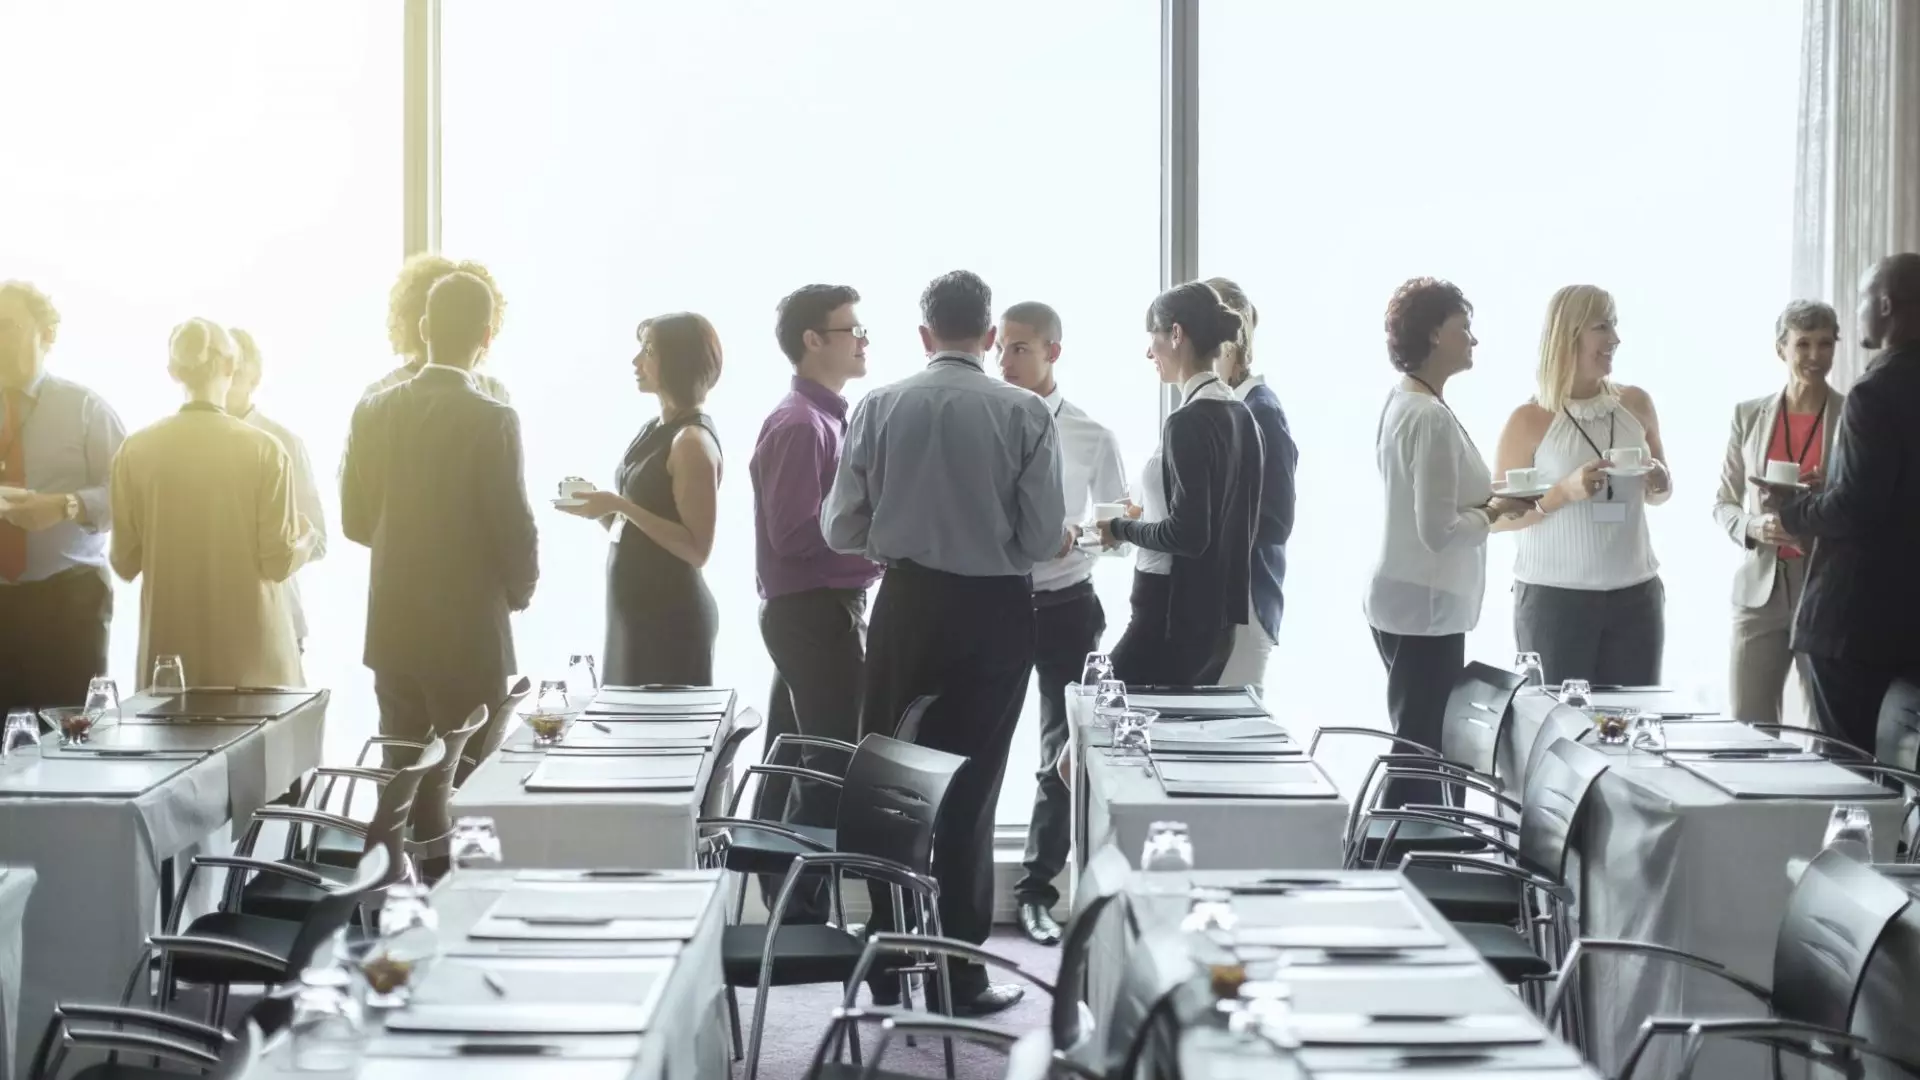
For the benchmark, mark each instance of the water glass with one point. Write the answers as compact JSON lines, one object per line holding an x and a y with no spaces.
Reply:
{"x":1208,"y":911}
{"x":328,"y":1026}
{"x":1576,"y":693}
{"x":552,"y":699}
{"x":1109,"y":700}
{"x":103,"y":701}
{"x":1168,"y":848}
{"x":23,"y":729}
{"x":583,"y":675}
{"x":1528,"y":665}
{"x":1646,"y":731}
{"x":1130,"y":730}
{"x":1850,"y":828}
{"x":476,"y":843}
{"x":169,"y":675}
{"x":1097,"y":669}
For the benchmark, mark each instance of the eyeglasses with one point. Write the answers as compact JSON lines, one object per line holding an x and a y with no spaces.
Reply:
{"x":859,"y":332}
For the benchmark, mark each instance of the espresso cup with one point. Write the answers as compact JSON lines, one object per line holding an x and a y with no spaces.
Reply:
{"x":1523,"y":479}
{"x":1783,"y":472}
{"x":1626,"y":457}
{"x":573,"y":487}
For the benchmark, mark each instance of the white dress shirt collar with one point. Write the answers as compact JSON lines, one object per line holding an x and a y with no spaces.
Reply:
{"x":1205,"y":385}
{"x":1247,"y":385}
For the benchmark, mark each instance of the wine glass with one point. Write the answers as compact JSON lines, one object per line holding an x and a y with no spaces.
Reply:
{"x":1576,"y":693}
{"x":1097,"y":669}
{"x":1109,"y":700}
{"x":23,"y":729}
{"x":1532,"y":673}
{"x":169,"y":675}
{"x":103,"y":701}
{"x":583,"y":675}
{"x":476,"y":843}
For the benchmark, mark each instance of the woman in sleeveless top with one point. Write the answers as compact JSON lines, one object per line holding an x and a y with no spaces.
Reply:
{"x":661,"y":619}
{"x":1587,"y":591}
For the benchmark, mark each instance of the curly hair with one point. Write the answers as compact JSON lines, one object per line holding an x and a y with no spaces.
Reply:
{"x":407,"y":303}
{"x":957,"y":306}
{"x":38,"y":305}
{"x":1418,"y":310}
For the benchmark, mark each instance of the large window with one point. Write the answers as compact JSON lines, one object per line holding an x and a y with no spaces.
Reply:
{"x":223,"y":158}
{"x":1513,"y":148}
{"x":611,"y":161}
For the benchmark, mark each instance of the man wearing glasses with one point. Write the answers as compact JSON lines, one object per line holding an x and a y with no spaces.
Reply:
{"x":814,"y":614}
{"x":1067,"y":618}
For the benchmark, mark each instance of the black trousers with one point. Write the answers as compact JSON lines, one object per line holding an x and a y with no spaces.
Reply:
{"x":1067,"y":626}
{"x":817,"y":640}
{"x":417,"y":708}
{"x":1150,"y":653}
{"x":53,"y":639}
{"x":969,"y":640}
{"x":1421,"y":672}
{"x":1847,"y":695}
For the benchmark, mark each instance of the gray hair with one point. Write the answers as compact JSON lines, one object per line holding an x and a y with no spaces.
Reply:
{"x":1805,"y":316}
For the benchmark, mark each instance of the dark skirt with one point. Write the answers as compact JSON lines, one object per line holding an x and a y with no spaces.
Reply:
{"x":651,"y":643}
{"x":1151,"y":653}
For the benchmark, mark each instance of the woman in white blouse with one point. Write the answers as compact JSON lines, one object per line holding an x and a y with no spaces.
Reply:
{"x":1432,"y":572}
{"x":1587,"y":595}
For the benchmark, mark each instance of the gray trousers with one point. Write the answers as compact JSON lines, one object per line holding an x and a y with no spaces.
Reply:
{"x":1609,"y":638}
{"x":1761,"y":657}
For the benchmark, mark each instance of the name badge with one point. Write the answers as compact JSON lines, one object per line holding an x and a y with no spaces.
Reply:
{"x":1609,"y":513}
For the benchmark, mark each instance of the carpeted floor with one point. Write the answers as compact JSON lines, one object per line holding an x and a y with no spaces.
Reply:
{"x":796,"y":1019}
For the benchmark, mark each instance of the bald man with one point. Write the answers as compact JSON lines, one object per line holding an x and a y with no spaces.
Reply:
{"x":1859,"y":620}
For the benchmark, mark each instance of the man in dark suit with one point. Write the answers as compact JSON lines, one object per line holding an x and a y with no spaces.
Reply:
{"x":432,"y":483}
{"x":1859,"y":621}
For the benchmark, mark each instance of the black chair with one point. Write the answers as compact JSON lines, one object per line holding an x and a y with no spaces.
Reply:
{"x":431,"y":823}
{"x":227,"y":948}
{"x":1896,"y":739}
{"x":746,"y":724}
{"x":890,"y":800}
{"x":287,"y":896}
{"x":1836,"y":918}
{"x":153,"y":1036}
{"x":1161,"y":990}
{"x":491,"y":736}
{"x":1479,"y":707}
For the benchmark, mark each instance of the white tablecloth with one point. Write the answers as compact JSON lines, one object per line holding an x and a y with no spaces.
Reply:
{"x":16,"y":885}
{"x":1665,"y":857}
{"x":98,"y":857}
{"x":687,"y":1036}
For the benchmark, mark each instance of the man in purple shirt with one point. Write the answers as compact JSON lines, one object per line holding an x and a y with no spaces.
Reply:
{"x":814,"y":616}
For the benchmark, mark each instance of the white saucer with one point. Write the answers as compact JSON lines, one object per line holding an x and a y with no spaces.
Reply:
{"x":1637,"y":470}
{"x":566,"y":503}
{"x":1761,"y":481}
{"x":1523,"y":493}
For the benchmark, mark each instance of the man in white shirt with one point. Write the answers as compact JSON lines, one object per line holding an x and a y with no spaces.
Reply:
{"x":1067,"y":616}
{"x":306,"y":494}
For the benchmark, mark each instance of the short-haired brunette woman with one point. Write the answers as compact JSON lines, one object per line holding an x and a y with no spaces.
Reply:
{"x":1587,"y":595}
{"x":1432,"y":574}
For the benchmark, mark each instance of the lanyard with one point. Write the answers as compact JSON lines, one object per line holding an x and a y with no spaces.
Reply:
{"x":1786,"y":431}
{"x":1612,"y":415}
{"x":1210,"y":380}
{"x":1464,"y":433}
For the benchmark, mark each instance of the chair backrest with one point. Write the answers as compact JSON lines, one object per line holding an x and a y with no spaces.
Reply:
{"x":1836,"y":917}
{"x":518,"y":688}
{"x":432,"y":813}
{"x":1099,"y":888}
{"x":332,"y":911}
{"x":240,"y":1054}
{"x":908,"y":729}
{"x":1156,"y":965}
{"x":892,"y":799}
{"x":1896,"y":739}
{"x":1557,"y":788}
{"x":388,"y":827}
{"x":746,"y":723}
{"x":1478,"y":707}
{"x":1031,"y":1058}
{"x":1561,"y":722}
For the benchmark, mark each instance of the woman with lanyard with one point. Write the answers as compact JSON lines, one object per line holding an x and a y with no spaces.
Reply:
{"x":1201,"y":496}
{"x":1587,"y":591}
{"x":1794,"y":425}
{"x":1427,"y":587}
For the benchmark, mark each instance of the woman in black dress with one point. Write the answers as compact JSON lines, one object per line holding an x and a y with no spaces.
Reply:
{"x":661,"y":619}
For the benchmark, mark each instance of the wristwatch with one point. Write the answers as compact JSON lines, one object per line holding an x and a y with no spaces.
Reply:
{"x":73,"y":508}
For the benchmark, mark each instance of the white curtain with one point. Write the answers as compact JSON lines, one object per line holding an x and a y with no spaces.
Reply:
{"x":1857,"y":192}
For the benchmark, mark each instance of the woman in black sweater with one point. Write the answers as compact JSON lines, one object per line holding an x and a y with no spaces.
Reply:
{"x":1207,"y":479}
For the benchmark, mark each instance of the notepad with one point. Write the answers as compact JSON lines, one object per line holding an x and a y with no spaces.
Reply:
{"x":641,"y":772}
{"x":229,"y":705}
{"x":1225,"y":777}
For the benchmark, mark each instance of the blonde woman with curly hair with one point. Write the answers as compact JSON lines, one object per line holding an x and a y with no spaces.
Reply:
{"x":204,"y":516}
{"x":1587,"y":592}
{"x":407,"y":305}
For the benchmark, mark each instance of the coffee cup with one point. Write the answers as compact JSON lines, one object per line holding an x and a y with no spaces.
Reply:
{"x":573,"y":487}
{"x":1523,"y":479}
{"x":1109,"y":511}
{"x":1783,"y":472}
{"x":1626,"y":457}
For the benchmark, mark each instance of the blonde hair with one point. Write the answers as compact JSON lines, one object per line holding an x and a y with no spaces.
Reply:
{"x":38,"y":306}
{"x":246,"y":350}
{"x":1239,"y":351}
{"x":407,"y":303}
{"x":1571,"y":311}
{"x":199,"y":350}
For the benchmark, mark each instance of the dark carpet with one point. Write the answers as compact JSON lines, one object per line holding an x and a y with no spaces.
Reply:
{"x":796,"y":1020}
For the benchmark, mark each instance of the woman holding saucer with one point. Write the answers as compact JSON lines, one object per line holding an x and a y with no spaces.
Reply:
{"x":1787,"y":434}
{"x":1587,"y":592}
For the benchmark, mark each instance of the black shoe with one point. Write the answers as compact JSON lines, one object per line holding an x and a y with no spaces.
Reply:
{"x":995,"y":997}
{"x":1038,"y":924}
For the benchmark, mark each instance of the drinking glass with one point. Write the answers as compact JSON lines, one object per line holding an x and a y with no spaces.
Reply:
{"x":169,"y":675}
{"x":103,"y":701}
{"x":476,"y":843}
{"x":23,"y":729}
{"x":1109,"y":700}
{"x":1576,"y":693}
{"x":1130,"y":730}
{"x":328,"y":1025}
{"x":583,"y":675}
{"x":1097,"y":669}
{"x":408,"y":941}
{"x":1168,"y":848}
{"x":552,"y":697}
{"x":1849,"y":827}
{"x":1209,"y":910}
{"x":1530,"y":669}
{"x":1646,"y":731}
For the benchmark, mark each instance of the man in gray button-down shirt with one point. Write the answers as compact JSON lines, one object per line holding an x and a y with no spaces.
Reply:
{"x":57,"y":441}
{"x":951,"y":478}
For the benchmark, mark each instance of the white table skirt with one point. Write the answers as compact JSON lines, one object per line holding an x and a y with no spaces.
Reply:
{"x":16,"y":885}
{"x":1665,"y":857}
{"x":98,"y":859}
